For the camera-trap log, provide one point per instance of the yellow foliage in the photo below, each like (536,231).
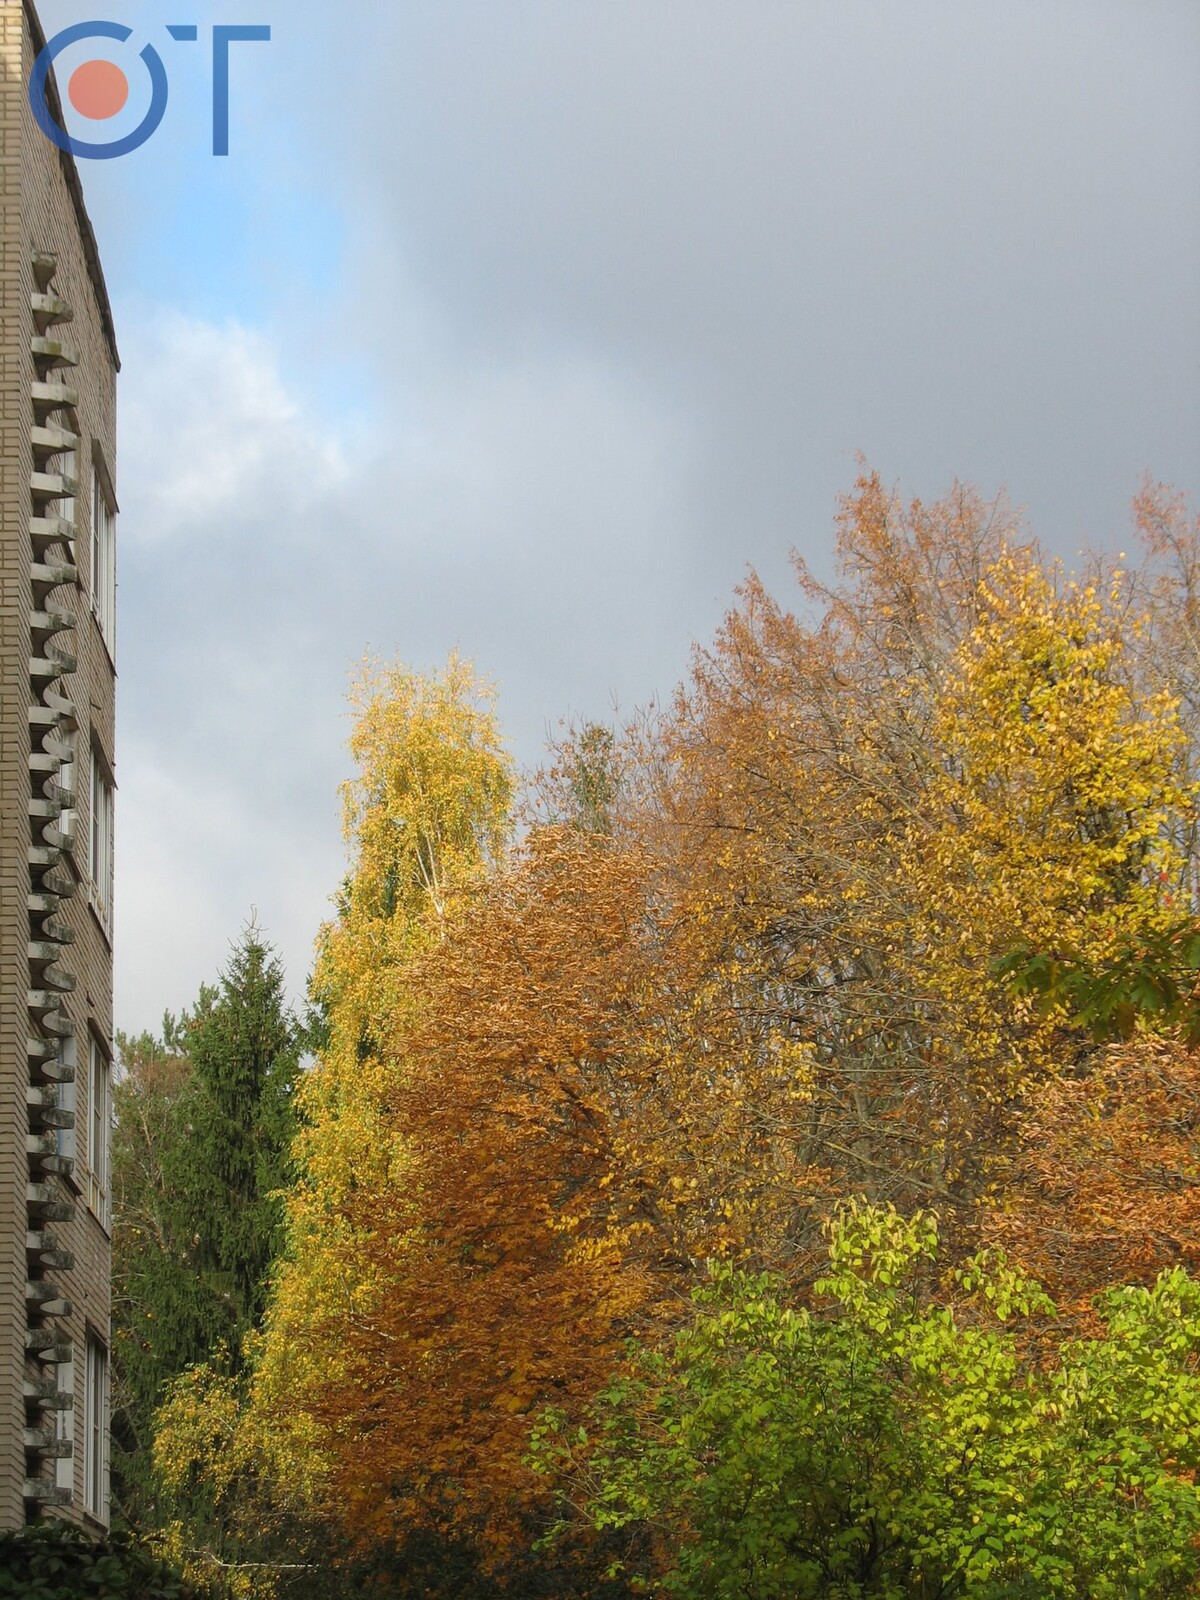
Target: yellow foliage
(203,1455)
(1047,815)
(425,815)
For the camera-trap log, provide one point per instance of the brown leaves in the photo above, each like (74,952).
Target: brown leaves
(505,1292)
(1105,1181)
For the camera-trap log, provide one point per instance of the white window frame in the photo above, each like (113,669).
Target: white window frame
(104,561)
(101,841)
(95,1432)
(99,1132)
(64,1429)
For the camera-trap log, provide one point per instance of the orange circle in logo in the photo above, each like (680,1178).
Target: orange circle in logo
(98,89)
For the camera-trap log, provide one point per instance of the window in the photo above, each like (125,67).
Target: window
(99,1131)
(100,854)
(64,1429)
(68,466)
(104,561)
(95,1417)
(66,781)
(67,1101)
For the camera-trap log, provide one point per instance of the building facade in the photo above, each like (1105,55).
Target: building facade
(58,366)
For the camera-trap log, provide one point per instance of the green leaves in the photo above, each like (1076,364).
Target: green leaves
(1154,979)
(883,1446)
(54,1562)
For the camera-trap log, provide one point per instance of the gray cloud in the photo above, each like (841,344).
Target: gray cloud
(262,558)
(962,238)
(607,297)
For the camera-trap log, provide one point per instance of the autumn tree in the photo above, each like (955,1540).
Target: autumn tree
(425,816)
(1103,1184)
(863,810)
(426,813)
(505,1286)
(745,967)
(568,1168)
(742,962)
(782,789)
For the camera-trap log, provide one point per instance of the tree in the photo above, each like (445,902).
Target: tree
(741,963)
(504,1284)
(425,816)
(861,813)
(885,1445)
(238,1114)
(151,1282)
(677,1025)
(582,785)
(1103,1180)
(565,1171)
(205,1121)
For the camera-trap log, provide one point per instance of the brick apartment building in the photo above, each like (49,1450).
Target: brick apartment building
(59,362)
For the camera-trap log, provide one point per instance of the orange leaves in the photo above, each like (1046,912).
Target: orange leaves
(861,812)
(503,1294)
(1105,1179)
(590,1113)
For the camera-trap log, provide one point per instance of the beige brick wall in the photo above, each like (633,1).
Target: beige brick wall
(14,607)
(41,214)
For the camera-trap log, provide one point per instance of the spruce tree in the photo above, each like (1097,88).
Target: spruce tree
(205,1121)
(228,1167)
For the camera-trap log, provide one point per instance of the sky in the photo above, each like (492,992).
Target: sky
(525,327)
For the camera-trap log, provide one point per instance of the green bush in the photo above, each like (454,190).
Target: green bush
(883,1446)
(55,1562)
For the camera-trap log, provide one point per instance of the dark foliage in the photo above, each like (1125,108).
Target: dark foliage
(54,1562)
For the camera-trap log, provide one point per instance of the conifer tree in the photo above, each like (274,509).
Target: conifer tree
(205,1123)
(238,1123)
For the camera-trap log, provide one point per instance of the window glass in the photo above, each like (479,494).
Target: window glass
(99,1131)
(68,466)
(100,850)
(104,562)
(64,1429)
(68,1101)
(95,1475)
(66,779)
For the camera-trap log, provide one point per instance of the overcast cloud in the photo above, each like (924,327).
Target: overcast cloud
(525,327)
